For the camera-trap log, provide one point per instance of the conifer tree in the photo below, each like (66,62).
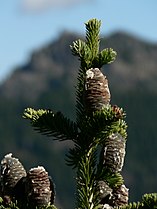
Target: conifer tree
(99,135)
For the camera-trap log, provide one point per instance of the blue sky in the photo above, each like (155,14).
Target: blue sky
(27,25)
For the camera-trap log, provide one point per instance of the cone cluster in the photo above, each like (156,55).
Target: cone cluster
(32,189)
(112,157)
(96,97)
(96,93)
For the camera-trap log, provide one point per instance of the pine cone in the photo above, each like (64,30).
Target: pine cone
(39,187)
(97,92)
(104,192)
(11,172)
(113,152)
(120,196)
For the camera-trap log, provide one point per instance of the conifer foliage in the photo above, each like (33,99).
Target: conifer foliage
(99,136)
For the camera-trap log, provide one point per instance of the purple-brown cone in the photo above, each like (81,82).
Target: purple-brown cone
(113,152)
(38,187)
(120,196)
(97,92)
(104,192)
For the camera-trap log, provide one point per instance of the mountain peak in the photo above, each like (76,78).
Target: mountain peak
(136,62)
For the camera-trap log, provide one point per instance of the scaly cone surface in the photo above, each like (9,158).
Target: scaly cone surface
(38,187)
(97,93)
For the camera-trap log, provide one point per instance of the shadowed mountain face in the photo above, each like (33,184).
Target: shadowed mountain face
(47,80)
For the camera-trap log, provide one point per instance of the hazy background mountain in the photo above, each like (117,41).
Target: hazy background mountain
(47,80)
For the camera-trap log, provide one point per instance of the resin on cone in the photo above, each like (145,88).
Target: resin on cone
(113,152)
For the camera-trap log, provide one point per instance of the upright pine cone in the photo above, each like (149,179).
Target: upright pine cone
(113,152)
(120,196)
(38,188)
(11,172)
(97,92)
(104,192)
